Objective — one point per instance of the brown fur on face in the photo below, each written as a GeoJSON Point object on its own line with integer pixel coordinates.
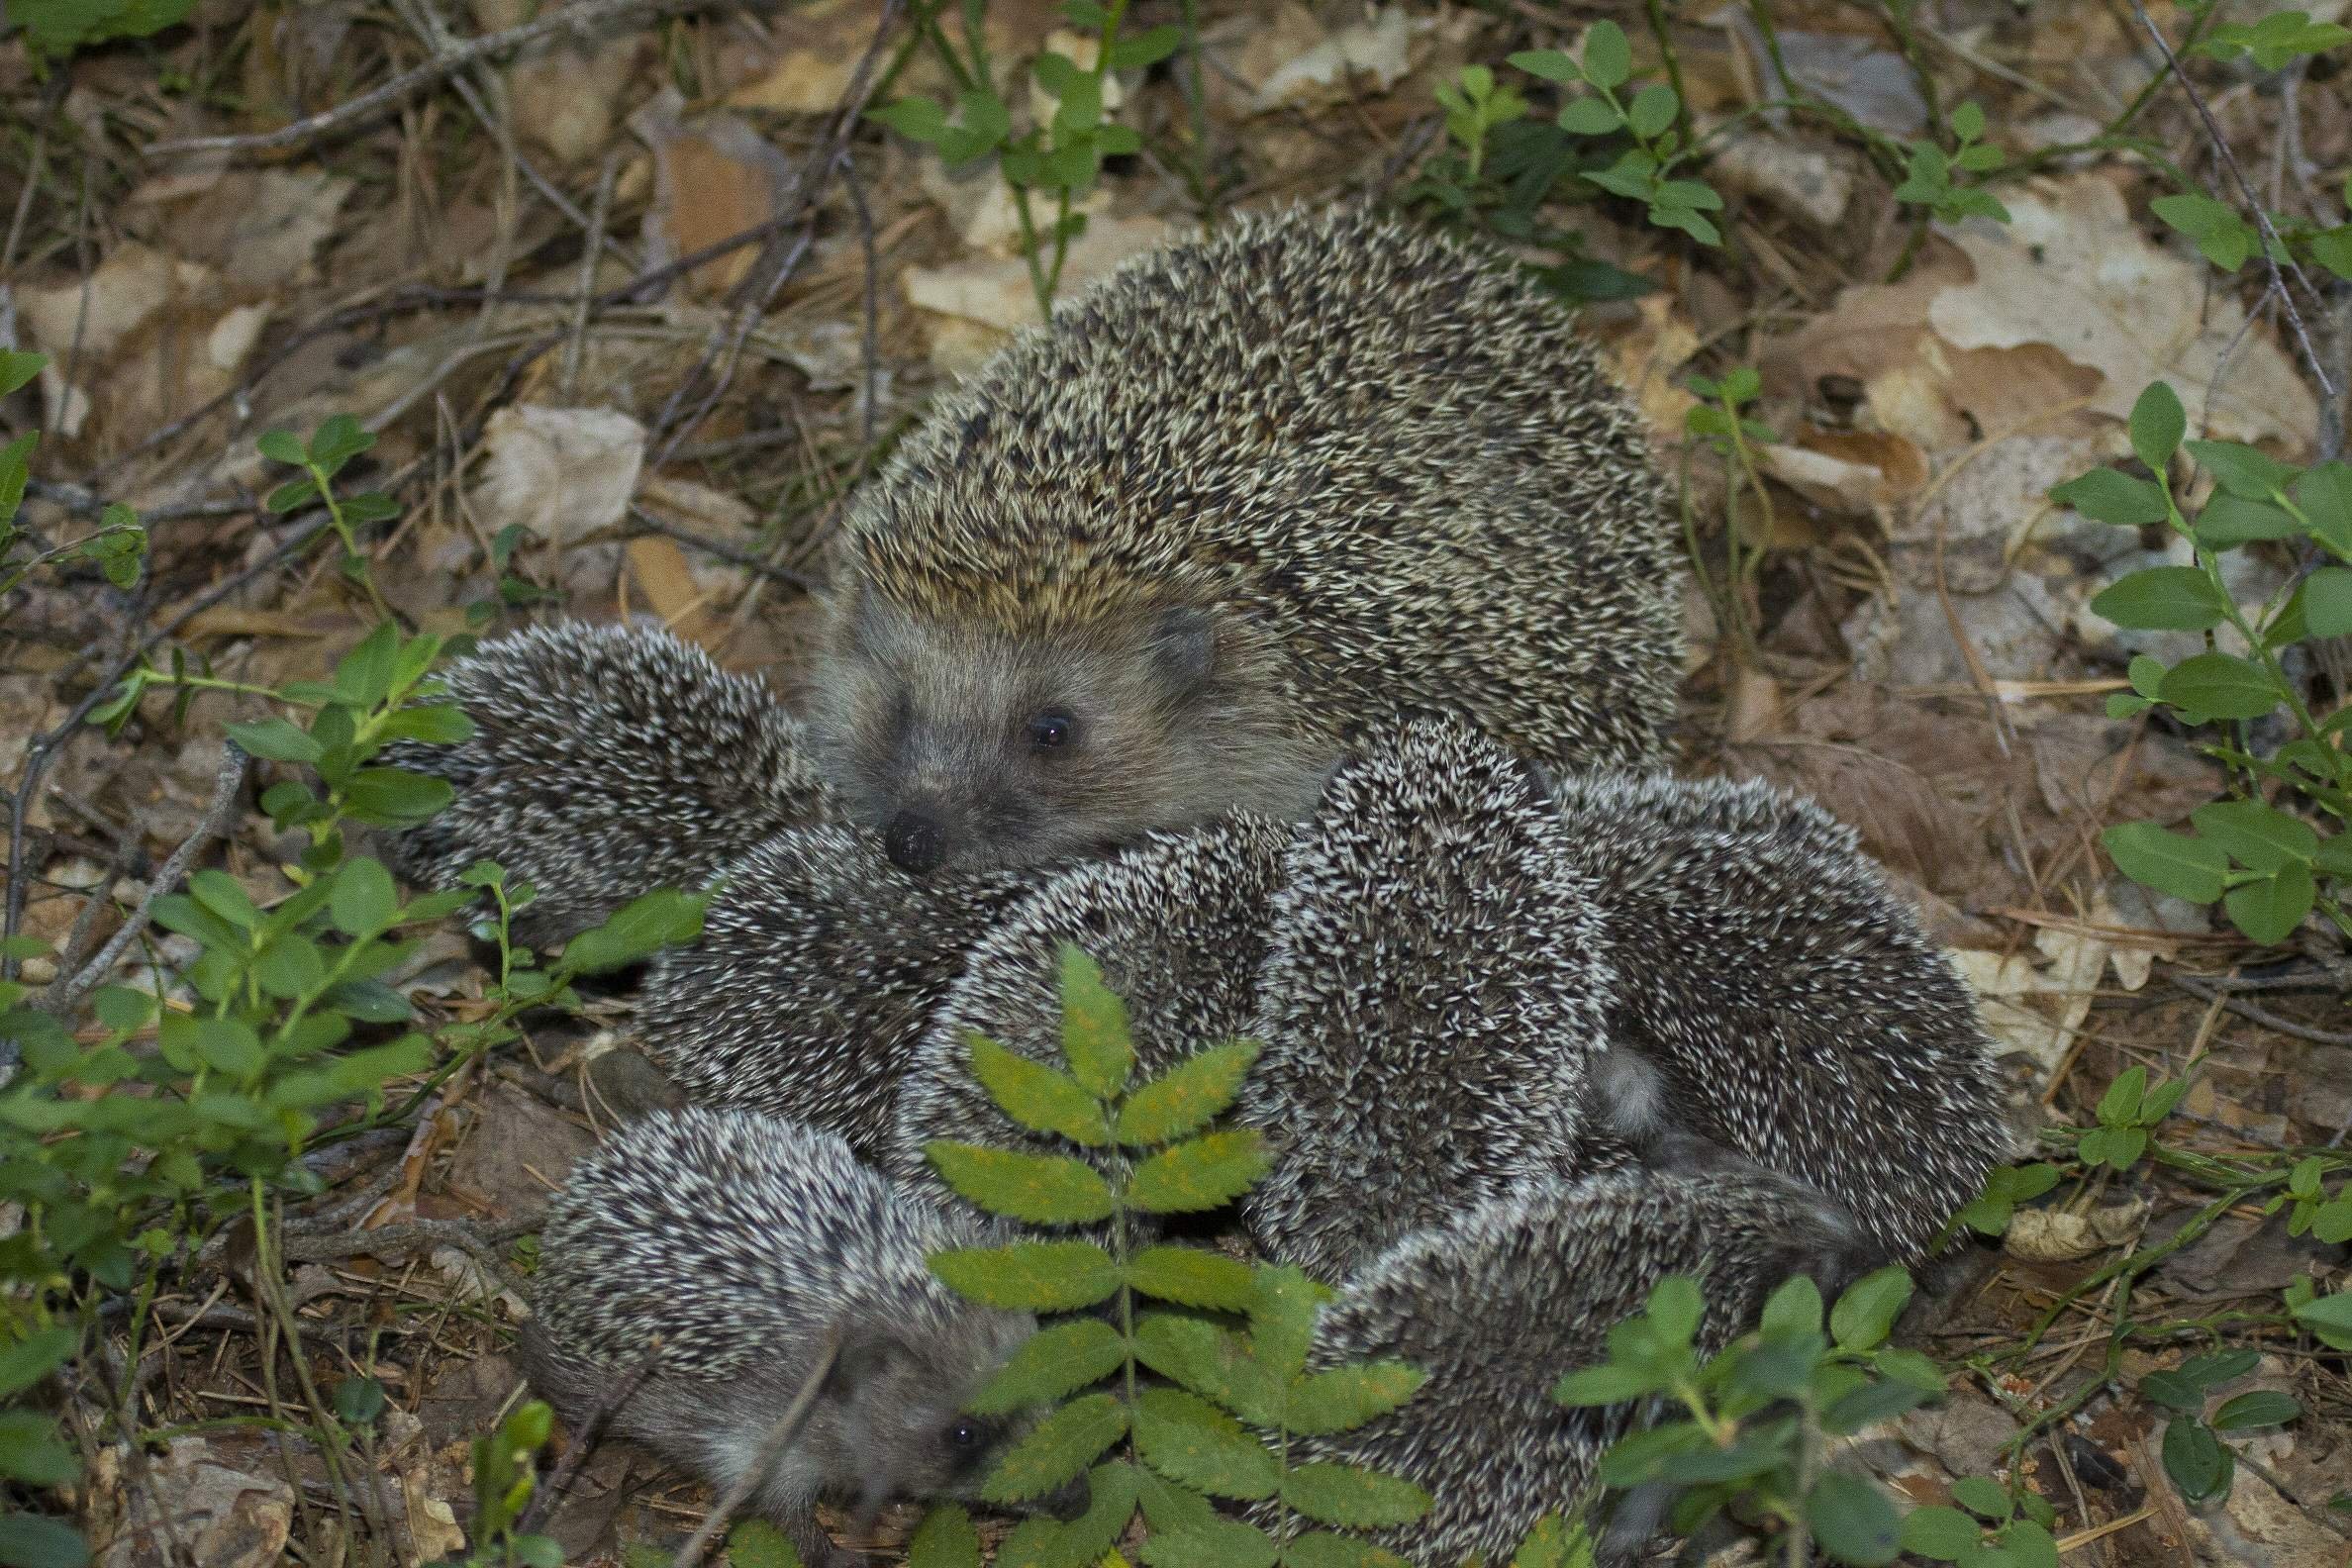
{"type": "Point", "coordinates": [1167, 716]}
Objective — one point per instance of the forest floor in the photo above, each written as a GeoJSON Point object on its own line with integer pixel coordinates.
{"type": "Point", "coordinates": [629, 314]}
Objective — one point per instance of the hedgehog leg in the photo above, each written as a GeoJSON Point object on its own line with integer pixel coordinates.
{"type": "Point", "coordinates": [603, 762]}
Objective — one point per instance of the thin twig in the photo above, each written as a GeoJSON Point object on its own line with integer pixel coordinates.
{"type": "Point", "coordinates": [584, 1438]}
{"type": "Point", "coordinates": [2272, 247]}
{"type": "Point", "coordinates": [778, 1439]}
{"type": "Point", "coordinates": [577, 17]}
{"type": "Point", "coordinates": [868, 345]}
{"type": "Point", "coordinates": [710, 546]}
{"type": "Point", "coordinates": [64, 993]}
{"type": "Point", "coordinates": [598, 215]}
{"type": "Point", "coordinates": [752, 302]}
{"type": "Point", "coordinates": [2254, 1013]}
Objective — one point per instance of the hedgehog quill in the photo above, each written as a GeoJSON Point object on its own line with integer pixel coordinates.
{"type": "Point", "coordinates": [1154, 560]}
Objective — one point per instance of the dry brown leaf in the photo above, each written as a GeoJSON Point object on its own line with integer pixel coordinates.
{"type": "Point", "coordinates": [260, 227]}
{"type": "Point", "coordinates": [2072, 271]}
{"type": "Point", "coordinates": [565, 92]}
{"type": "Point", "coordinates": [1658, 342]}
{"type": "Point", "coordinates": [220, 1512]}
{"type": "Point", "coordinates": [2053, 1236]}
{"type": "Point", "coordinates": [714, 176]}
{"type": "Point", "coordinates": [1371, 52]}
{"type": "Point", "coordinates": [135, 287]}
{"type": "Point", "coordinates": [660, 571]}
{"type": "Point", "coordinates": [998, 295]}
{"type": "Point", "coordinates": [559, 472]}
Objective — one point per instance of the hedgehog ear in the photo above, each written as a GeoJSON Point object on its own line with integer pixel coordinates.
{"type": "Point", "coordinates": [1183, 644]}
{"type": "Point", "coordinates": [865, 1355]}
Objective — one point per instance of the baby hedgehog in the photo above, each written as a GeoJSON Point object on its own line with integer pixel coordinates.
{"type": "Point", "coordinates": [1497, 1303]}
{"type": "Point", "coordinates": [606, 761]}
{"type": "Point", "coordinates": [1433, 1001]}
{"type": "Point", "coordinates": [819, 968]}
{"type": "Point", "coordinates": [1178, 926]}
{"type": "Point", "coordinates": [1774, 998]}
{"type": "Point", "coordinates": [1152, 560]}
{"type": "Point", "coordinates": [729, 1248]}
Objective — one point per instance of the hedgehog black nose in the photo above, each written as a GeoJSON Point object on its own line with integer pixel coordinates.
{"type": "Point", "coordinates": [915, 842]}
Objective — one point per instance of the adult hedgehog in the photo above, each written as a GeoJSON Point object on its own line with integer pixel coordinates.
{"type": "Point", "coordinates": [1154, 561]}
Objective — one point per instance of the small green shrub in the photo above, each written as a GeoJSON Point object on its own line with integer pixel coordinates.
{"type": "Point", "coordinates": [1228, 1341]}
{"type": "Point", "coordinates": [57, 28]}
{"type": "Point", "coordinates": [2266, 863]}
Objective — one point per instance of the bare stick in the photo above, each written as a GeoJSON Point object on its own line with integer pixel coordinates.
{"type": "Point", "coordinates": [779, 1438]}
{"type": "Point", "coordinates": [2254, 1013]}
{"type": "Point", "coordinates": [2274, 247]}
{"type": "Point", "coordinates": [65, 992]}
{"type": "Point", "coordinates": [578, 17]}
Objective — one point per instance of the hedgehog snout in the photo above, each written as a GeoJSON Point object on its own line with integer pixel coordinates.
{"type": "Point", "coordinates": [914, 840]}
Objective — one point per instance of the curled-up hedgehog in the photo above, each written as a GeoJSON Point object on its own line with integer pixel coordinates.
{"type": "Point", "coordinates": [1154, 561]}
{"type": "Point", "coordinates": [1432, 1004]}
{"type": "Point", "coordinates": [1777, 1000]}
{"type": "Point", "coordinates": [1500, 1302]}
{"type": "Point", "coordinates": [606, 761]}
{"type": "Point", "coordinates": [1178, 926]}
{"type": "Point", "coordinates": [817, 971]}
{"type": "Point", "coordinates": [714, 1256]}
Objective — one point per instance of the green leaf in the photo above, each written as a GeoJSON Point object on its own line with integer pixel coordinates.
{"type": "Point", "coordinates": [2325, 496]}
{"type": "Point", "coordinates": [1146, 48]}
{"type": "Point", "coordinates": [1942, 1533]}
{"type": "Point", "coordinates": [2229, 520]}
{"type": "Point", "coordinates": [754, 1543]}
{"type": "Point", "coordinates": [1192, 1442]}
{"type": "Point", "coordinates": [1346, 1397]}
{"type": "Point", "coordinates": [1095, 1035]}
{"type": "Point", "coordinates": [385, 797]}
{"type": "Point", "coordinates": [365, 676]}
{"type": "Point", "coordinates": [1211, 1361]}
{"type": "Point", "coordinates": [2269, 911]}
{"type": "Point", "coordinates": [28, 1540]}
{"type": "Point", "coordinates": [1037, 1189]}
{"type": "Point", "coordinates": [1968, 123]}
{"type": "Point", "coordinates": [2170, 862]}
{"type": "Point", "coordinates": [1040, 1098]}
{"type": "Point", "coordinates": [1204, 1173]}
{"type": "Point", "coordinates": [222, 894]}
{"type": "Point", "coordinates": [947, 1539]}
{"type": "Point", "coordinates": [282, 446]}
{"type": "Point", "coordinates": [435, 724]}
{"type": "Point", "coordinates": [1053, 1363]}
{"type": "Point", "coordinates": [277, 740]}
{"type": "Point", "coordinates": [2028, 1543]}
{"type": "Point", "coordinates": [635, 930]}
{"type": "Point", "coordinates": [1795, 1307]}
{"type": "Point", "coordinates": [2200, 1467]}
{"type": "Point", "coordinates": [1030, 1276]}
{"type": "Point", "coordinates": [1653, 110]}
{"type": "Point", "coordinates": [1852, 1520]}
{"type": "Point", "coordinates": [2220, 234]}
{"type": "Point", "coordinates": [1211, 1543]}
{"type": "Point", "coordinates": [1674, 1309]}
{"type": "Point", "coordinates": [2254, 1410]}
{"type": "Point", "coordinates": [17, 370]}
{"type": "Point", "coordinates": [1191, 1277]}
{"type": "Point", "coordinates": [2120, 1105]}
{"type": "Point", "coordinates": [34, 1358]}
{"type": "Point", "coordinates": [2241, 469]}
{"type": "Point", "coordinates": [1551, 65]}
{"type": "Point", "coordinates": [2261, 837]}
{"type": "Point", "coordinates": [1281, 1318]}
{"type": "Point", "coordinates": [916, 118]}
{"type": "Point", "coordinates": [2330, 1317]}
{"type": "Point", "coordinates": [1353, 1499]}
{"type": "Point", "coordinates": [2163, 599]}
{"type": "Point", "coordinates": [32, 1452]}
{"type": "Point", "coordinates": [1608, 58]}
{"type": "Point", "coordinates": [2108, 495]}
{"type": "Point", "coordinates": [1056, 1449]}
{"type": "Point", "coordinates": [1552, 1543]}
{"type": "Point", "coordinates": [2327, 601]}
{"type": "Point", "coordinates": [1866, 1312]}
{"type": "Point", "coordinates": [1590, 114]}
{"type": "Point", "coordinates": [2220, 686]}
{"type": "Point", "coordinates": [363, 900]}
{"type": "Point", "coordinates": [1869, 1405]}
{"type": "Point", "coordinates": [1182, 1100]}
{"type": "Point", "coordinates": [1609, 1383]}
{"type": "Point", "coordinates": [1324, 1549]}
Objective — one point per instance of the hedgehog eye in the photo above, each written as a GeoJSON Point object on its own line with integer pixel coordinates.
{"type": "Point", "coordinates": [1052, 731]}
{"type": "Point", "coordinates": [964, 1436]}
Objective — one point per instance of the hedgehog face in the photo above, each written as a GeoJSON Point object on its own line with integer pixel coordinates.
{"type": "Point", "coordinates": [904, 1424]}
{"type": "Point", "coordinates": [972, 747]}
